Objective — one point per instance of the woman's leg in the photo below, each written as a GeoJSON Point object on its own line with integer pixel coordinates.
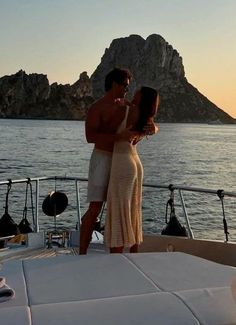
{"type": "Point", "coordinates": [116, 250]}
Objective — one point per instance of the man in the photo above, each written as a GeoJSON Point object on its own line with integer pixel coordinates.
{"type": "Point", "coordinates": [100, 127]}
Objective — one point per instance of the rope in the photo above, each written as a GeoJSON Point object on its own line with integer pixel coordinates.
{"type": "Point", "coordinates": [170, 202]}
{"type": "Point", "coordinates": [220, 194]}
{"type": "Point", "coordinates": [26, 199]}
{"type": "Point", "coordinates": [7, 194]}
{"type": "Point", "coordinates": [166, 211]}
{"type": "Point", "coordinates": [32, 203]}
{"type": "Point", "coordinates": [24, 222]}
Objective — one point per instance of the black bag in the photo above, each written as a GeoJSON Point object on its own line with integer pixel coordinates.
{"type": "Point", "coordinates": [173, 227]}
{"type": "Point", "coordinates": [8, 227]}
{"type": "Point", "coordinates": [24, 226]}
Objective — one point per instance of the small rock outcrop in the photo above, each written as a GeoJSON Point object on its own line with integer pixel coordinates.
{"type": "Point", "coordinates": [31, 96]}
{"type": "Point", "coordinates": [19, 92]}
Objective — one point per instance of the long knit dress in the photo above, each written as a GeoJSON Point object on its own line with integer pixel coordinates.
{"type": "Point", "coordinates": [123, 225]}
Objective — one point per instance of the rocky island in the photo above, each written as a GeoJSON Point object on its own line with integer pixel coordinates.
{"type": "Point", "coordinates": [153, 62]}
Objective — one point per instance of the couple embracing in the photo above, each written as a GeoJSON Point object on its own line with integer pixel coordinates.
{"type": "Point", "coordinates": [115, 126]}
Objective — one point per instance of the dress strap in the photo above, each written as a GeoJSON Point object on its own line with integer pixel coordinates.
{"type": "Point", "coordinates": [124, 121]}
{"type": "Point", "coordinates": [126, 115]}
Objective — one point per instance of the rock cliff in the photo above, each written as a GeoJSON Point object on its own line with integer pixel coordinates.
{"type": "Point", "coordinates": [153, 62]}
{"type": "Point", "coordinates": [31, 96]}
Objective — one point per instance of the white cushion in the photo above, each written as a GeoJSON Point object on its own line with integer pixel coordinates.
{"type": "Point", "coordinates": [179, 271]}
{"type": "Point", "coordinates": [147, 288]}
{"type": "Point", "coordinates": [14, 275]}
{"type": "Point", "coordinates": [70, 278]}
{"type": "Point", "coordinates": [212, 306]}
{"type": "Point", "coordinates": [159, 308]}
{"type": "Point", "coordinates": [15, 315]}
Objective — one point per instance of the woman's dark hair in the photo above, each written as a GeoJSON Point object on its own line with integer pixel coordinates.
{"type": "Point", "coordinates": [146, 107]}
{"type": "Point", "coordinates": [116, 75]}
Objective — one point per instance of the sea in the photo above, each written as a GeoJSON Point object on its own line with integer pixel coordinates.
{"type": "Point", "coordinates": [193, 155]}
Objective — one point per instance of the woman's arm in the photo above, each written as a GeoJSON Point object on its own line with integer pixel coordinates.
{"type": "Point", "coordinates": [138, 138]}
{"type": "Point", "coordinates": [150, 129]}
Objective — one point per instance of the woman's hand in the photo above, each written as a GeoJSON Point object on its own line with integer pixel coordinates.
{"type": "Point", "coordinates": [150, 128]}
{"type": "Point", "coordinates": [138, 138]}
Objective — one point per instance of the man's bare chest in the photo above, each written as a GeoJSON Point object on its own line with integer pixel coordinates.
{"type": "Point", "coordinates": [111, 119]}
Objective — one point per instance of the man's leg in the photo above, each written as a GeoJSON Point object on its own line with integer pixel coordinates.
{"type": "Point", "coordinates": [86, 229]}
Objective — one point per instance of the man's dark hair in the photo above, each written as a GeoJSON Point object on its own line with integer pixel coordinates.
{"type": "Point", "coordinates": [116, 75]}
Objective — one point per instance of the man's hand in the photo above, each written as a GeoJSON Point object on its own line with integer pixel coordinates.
{"type": "Point", "coordinates": [121, 102]}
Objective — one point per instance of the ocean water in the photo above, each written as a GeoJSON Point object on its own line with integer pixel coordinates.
{"type": "Point", "coordinates": [196, 155]}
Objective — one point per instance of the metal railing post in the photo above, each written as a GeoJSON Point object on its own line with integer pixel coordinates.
{"type": "Point", "coordinates": [36, 226]}
{"type": "Point", "coordinates": [186, 214]}
{"type": "Point", "coordinates": [78, 203]}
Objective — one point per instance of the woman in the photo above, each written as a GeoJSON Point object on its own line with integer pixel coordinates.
{"type": "Point", "coordinates": [123, 226]}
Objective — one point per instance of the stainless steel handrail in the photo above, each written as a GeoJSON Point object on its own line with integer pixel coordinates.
{"type": "Point", "coordinates": [83, 179]}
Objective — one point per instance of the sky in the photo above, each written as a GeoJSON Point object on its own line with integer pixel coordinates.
{"type": "Point", "coordinates": [62, 38]}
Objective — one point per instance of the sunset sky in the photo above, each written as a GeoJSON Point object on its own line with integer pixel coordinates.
{"type": "Point", "coordinates": [62, 38]}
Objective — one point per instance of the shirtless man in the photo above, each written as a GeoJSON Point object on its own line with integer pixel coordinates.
{"type": "Point", "coordinates": [102, 121]}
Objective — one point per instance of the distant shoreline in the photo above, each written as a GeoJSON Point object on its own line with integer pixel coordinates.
{"type": "Point", "coordinates": [162, 122]}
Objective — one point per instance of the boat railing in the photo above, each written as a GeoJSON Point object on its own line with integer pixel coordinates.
{"type": "Point", "coordinates": [173, 188]}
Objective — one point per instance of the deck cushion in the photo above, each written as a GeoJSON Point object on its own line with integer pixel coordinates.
{"type": "Point", "coordinates": [63, 279]}
{"type": "Point", "coordinates": [146, 288]}
{"type": "Point", "coordinates": [15, 315]}
{"type": "Point", "coordinates": [13, 273]}
{"type": "Point", "coordinates": [212, 306]}
{"type": "Point", "coordinates": [159, 308]}
{"type": "Point", "coordinates": [179, 271]}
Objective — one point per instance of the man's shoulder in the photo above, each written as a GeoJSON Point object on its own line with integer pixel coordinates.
{"type": "Point", "coordinates": [97, 105]}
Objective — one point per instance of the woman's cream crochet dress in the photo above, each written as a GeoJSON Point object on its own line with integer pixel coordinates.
{"type": "Point", "coordinates": [123, 225]}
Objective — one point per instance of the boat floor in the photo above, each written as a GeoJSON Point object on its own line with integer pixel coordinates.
{"type": "Point", "coordinates": [216, 251]}
{"type": "Point", "coordinates": [143, 288]}
{"type": "Point", "coordinates": [43, 252]}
